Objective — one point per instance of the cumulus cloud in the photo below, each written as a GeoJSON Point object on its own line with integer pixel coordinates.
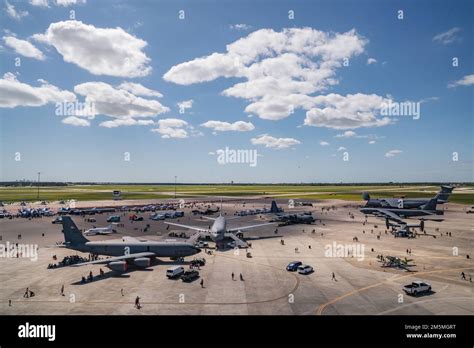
{"type": "Point", "coordinates": [282, 69]}
{"type": "Point", "coordinates": [323, 143]}
{"type": "Point", "coordinates": [371, 61]}
{"type": "Point", "coordinates": [118, 102]}
{"type": "Point", "coordinates": [239, 126]}
{"type": "Point", "coordinates": [64, 3]}
{"type": "Point", "coordinates": [23, 47]}
{"type": "Point", "coordinates": [138, 89]}
{"type": "Point", "coordinates": [240, 26]}
{"type": "Point", "coordinates": [76, 121]}
{"type": "Point", "coordinates": [467, 80]}
{"type": "Point", "coordinates": [171, 128]}
{"type": "Point", "coordinates": [448, 37]}
{"type": "Point", "coordinates": [341, 148]}
{"type": "Point", "coordinates": [184, 105]}
{"type": "Point", "coordinates": [13, 13]}
{"type": "Point", "coordinates": [274, 143]}
{"type": "Point", "coordinates": [101, 51]}
{"type": "Point", "coordinates": [345, 112]}
{"type": "Point", "coordinates": [346, 134]}
{"type": "Point", "coordinates": [393, 153]}
{"type": "Point", "coordinates": [14, 93]}
{"type": "Point", "coordinates": [39, 3]}
{"type": "Point", "coordinates": [128, 121]}
{"type": "Point", "coordinates": [372, 142]}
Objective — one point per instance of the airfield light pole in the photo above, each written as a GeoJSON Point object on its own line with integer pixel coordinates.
{"type": "Point", "coordinates": [38, 195]}
{"type": "Point", "coordinates": [175, 186]}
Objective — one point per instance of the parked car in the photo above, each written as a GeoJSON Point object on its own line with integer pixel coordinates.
{"type": "Point", "coordinates": [293, 266]}
{"type": "Point", "coordinates": [202, 244]}
{"type": "Point", "coordinates": [189, 276]}
{"type": "Point", "coordinates": [113, 218]}
{"type": "Point", "coordinates": [199, 262]}
{"type": "Point", "coordinates": [305, 269]}
{"type": "Point", "coordinates": [58, 220]}
{"type": "Point", "coordinates": [175, 272]}
{"type": "Point", "coordinates": [417, 287]}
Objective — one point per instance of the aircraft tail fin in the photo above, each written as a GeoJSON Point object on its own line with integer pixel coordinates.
{"type": "Point", "coordinates": [444, 193]}
{"type": "Point", "coordinates": [431, 205]}
{"type": "Point", "coordinates": [72, 235]}
{"type": "Point", "coordinates": [365, 196]}
{"type": "Point", "coordinates": [274, 208]}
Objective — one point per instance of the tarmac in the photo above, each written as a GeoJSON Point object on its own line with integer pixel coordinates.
{"type": "Point", "coordinates": [361, 286]}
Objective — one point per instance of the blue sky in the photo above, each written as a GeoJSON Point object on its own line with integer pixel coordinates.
{"type": "Point", "coordinates": [402, 60]}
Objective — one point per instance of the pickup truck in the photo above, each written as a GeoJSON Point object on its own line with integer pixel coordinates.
{"type": "Point", "coordinates": [417, 287]}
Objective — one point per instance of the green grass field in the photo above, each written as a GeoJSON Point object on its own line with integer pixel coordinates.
{"type": "Point", "coordinates": [104, 192]}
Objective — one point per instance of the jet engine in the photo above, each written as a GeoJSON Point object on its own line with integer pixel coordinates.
{"type": "Point", "coordinates": [118, 266]}
{"type": "Point", "coordinates": [142, 262]}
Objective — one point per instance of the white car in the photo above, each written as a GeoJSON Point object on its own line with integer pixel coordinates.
{"type": "Point", "coordinates": [202, 244]}
{"type": "Point", "coordinates": [305, 269]}
{"type": "Point", "coordinates": [417, 287]}
{"type": "Point", "coordinates": [175, 272]}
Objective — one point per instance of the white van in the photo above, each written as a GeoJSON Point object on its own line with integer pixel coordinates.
{"type": "Point", "coordinates": [174, 272]}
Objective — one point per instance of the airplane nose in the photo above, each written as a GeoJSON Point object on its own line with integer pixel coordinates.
{"type": "Point", "coordinates": [197, 250]}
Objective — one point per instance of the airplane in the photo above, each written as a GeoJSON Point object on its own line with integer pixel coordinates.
{"type": "Point", "coordinates": [404, 229]}
{"type": "Point", "coordinates": [406, 203]}
{"type": "Point", "coordinates": [126, 251]}
{"type": "Point", "coordinates": [393, 261]}
{"type": "Point", "coordinates": [274, 209]}
{"type": "Point", "coordinates": [295, 218]}
{"type": "Point", "coordinates": [218, 232]}
{"type": "Point", "coordinates": [99, 231]}
{"type": "Point", "coordinates": [427, 211]}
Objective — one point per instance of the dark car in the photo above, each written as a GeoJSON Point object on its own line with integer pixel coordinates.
{"type": "Point", "coordinates": [199, 262]}
{"type": "Point", "coordinates": [293, 266]}
{"type": "Point", "coordinates": [189, 276]}
{"type": "Point", "coordinates": [58, 220]}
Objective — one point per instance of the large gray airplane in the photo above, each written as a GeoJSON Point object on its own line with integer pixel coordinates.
{"type": "Point", "coordinates": [406, 203]}
{"type": "Point", "coordinates": [219, 231]}
{"type": "Point", "coordinates": [127, 251]}
{"type": "Point", "coordinates": [427, 212]}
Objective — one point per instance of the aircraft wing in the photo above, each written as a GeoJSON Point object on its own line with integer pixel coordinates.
{"type": "Point", "coordinates": [195, 228]}
{"type": "Point", "coordinates": [115, 258]}
{"type": "Point", "coordinates": [389, 215]}
{"type": "Point", "coordinates": [243, 228]}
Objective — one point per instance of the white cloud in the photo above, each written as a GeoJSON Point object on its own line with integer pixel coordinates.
{"type": "Point", "coordinates": [13, 13]}
{"type": "Point", "coordinates": [341, 148]}
{"type": "Point", "coordinates": [117, 102]}
{"type": "Point", "coordinates": [240, 27]}
{"type": "Point", "coordinates": [275, 143]}
{"type": "Point", "coordinates": [393, 153]}
{"type": "Point", "coordinates": [39, 3]}
{"type": "Point", "coordinates": [211, 153]}
{"type": "Point", "coordinates": [448, 37]}
{"type": "Point", "coordinates": [323, 143]}
{"type": "Point", "coordinates": [467, 80]}
{"type": "Point", "coordinates": [282, 69]}
{"type": "Point", "coordinates": [66, 3]}
{"type": "Point", "coordinates": [118, 122]}
{"type": "Point", "coordinates": [371, 61]}
{"type": "Point", "coordinates": [345, 112]}
{"type": "Point", "coordinates": [138, 89]}
{"type": "Point", "coordinates": [14, 93]}
{"type": "Point", "coordinates": [184, 105]}
{"type": "Point", "coordinates": [23, 47]}
{"type": "Point", "coordinates": [171, 128]}
{"type": "Point", "coordinates": [101, 51]}
{"type": "Point", "coordinates": [76, 121]}
{"type": "Point", "coordinates": [372, 142]}
{"type": "Point", "coordinates": [239, 126]}
{"type": "Point", "coordinates": [346, 134]}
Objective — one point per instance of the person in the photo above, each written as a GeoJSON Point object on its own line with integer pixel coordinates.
{"type": "Point", "coordinates": [27, 291]}
{"type": "Point", "coordinates": [463, 276]}
{"type": "Point", "coordinates": [333, 276]}
{"type": "Point", "coordinates": [202, 283]}
{"type": "Point", "coordinates": [241, 277]}
{"type": "Point", "coordinates": [62, 290]}
{"type": "Point", "coordinates": [232, 275]}
{"type": "Point", "coordinates": [121, 291]}
{"type": "Point", "coordinates": [9, 303]}
{"type": "Point", "coordinates": [137, 303]}
{"type": "Point", "coordinates": [309, 246]}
